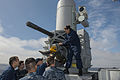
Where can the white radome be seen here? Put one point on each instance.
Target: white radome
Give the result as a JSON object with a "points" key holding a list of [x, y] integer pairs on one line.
{"points": [[65, 14]]}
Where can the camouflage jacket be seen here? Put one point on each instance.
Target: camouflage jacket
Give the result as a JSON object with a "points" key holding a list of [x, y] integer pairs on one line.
{"points": [[8, 74], [53, 73], [33, 76]]}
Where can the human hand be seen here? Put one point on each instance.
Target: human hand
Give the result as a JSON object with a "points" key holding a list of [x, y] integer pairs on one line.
{"points": [[60, 44]]}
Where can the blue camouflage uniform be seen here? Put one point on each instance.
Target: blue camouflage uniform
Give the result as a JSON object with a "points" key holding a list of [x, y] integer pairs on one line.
{"points": [[9, 74], [41, 69], [53, 73], [21, 73], [33, 76], [73, 41]]}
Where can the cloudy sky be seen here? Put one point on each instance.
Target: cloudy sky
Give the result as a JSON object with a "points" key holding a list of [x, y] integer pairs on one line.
{"points": [[17, 39]]}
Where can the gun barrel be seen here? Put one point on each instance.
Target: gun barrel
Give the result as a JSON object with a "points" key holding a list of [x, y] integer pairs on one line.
{"points": [[31, 25]]}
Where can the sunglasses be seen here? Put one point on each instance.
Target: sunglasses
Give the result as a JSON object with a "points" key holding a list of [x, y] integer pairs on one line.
{"points": [[65, 29]]}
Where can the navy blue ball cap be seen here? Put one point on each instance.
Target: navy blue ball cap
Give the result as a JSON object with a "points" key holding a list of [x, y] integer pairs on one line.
{"points": [[38, 59]]}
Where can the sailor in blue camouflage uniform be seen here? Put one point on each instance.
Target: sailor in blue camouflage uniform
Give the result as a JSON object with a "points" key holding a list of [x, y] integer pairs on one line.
{"points": [[40, 66], [31, 67], [10, 73], [53, 73], [21, 72], [72, 40]]}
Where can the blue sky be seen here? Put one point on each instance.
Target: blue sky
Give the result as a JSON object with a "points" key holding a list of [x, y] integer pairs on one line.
{"points": [[17, 39]]}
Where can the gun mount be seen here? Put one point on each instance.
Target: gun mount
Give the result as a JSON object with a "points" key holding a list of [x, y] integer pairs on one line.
{"points": [[55, 38]]}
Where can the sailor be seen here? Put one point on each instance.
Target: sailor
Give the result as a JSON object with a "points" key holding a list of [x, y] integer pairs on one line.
{"points": [[72, 40], [21, 72], [53, 73], [10, 73], [31, 67], [40, 66]]}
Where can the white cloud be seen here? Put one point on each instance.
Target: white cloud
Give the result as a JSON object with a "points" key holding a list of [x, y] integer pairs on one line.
{"points": [[15, 46], [37, 43], [96, 21], [95, 3], [105, 58], [105, 38]]}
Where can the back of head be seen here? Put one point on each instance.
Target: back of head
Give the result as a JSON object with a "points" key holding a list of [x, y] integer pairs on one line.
{"points": [[50, 60], [38, 59], [12, 59], [30, 63]]}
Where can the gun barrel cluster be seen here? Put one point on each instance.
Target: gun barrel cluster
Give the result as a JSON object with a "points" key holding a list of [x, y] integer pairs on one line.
{"points": [[31, 25]]}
